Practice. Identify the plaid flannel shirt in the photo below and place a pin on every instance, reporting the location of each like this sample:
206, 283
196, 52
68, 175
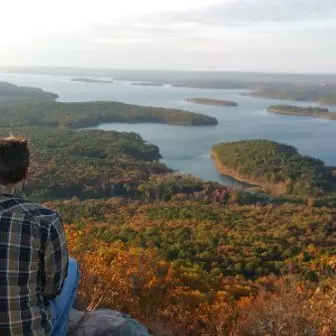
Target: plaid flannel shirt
33, 265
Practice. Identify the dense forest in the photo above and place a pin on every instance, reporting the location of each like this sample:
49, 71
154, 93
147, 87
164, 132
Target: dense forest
249, 241
184, 256
113, 164
187, 268
91, 163
277, 167
80, 115
99, 164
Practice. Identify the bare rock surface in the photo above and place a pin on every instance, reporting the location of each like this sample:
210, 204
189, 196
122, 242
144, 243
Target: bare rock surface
104, 323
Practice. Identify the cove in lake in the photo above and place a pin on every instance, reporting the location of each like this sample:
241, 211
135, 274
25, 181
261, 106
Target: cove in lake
188, 148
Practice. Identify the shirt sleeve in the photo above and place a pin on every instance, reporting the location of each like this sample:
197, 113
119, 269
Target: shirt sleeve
55, 260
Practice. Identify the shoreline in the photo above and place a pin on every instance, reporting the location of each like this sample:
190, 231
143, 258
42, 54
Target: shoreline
322, 115
269, 188
320, 101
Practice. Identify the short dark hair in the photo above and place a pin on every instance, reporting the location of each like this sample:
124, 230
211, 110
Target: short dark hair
14, 159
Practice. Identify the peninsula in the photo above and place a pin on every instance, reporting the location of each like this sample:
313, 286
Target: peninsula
278, 168
13, 93
91, 114
310, 111
212, 102
23, 106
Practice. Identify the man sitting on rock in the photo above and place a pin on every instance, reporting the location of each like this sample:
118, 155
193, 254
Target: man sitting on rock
38, 281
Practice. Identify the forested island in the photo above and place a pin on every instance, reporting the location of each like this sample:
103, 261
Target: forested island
278, 168
92, 80
302, 111
211, 102
146, 84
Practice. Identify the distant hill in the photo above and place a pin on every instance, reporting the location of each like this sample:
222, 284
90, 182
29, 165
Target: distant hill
13, 93
169, 76
324, 94
309, 111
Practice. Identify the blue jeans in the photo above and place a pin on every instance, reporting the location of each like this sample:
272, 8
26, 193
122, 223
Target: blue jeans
61, 306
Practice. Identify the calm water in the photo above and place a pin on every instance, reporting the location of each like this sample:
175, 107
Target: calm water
187, 148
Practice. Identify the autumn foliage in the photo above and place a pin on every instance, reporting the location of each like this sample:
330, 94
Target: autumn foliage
173, 297
184, 256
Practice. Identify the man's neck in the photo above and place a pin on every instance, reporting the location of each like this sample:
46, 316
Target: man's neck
11, 189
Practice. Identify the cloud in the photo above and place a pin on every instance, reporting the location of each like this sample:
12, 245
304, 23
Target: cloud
245, 12
286, 35
227, 18
140, 30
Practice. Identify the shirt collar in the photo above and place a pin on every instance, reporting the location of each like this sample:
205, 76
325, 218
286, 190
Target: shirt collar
9, 191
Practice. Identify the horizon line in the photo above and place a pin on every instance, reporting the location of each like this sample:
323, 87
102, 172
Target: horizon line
264, 72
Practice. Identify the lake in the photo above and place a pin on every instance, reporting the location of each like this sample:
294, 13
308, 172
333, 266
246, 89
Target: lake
187, 148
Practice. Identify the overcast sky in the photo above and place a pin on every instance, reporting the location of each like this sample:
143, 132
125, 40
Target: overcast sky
243, 35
